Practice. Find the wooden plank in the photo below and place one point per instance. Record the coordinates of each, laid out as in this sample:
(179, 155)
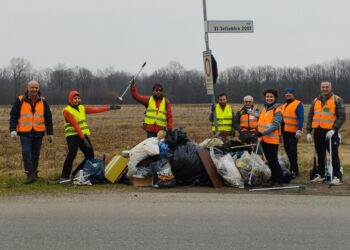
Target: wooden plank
(210, 168)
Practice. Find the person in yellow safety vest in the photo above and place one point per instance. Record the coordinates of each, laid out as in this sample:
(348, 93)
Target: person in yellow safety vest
(269, 133)
(77, 132)
(158, 115)
(30, 118)
(326, 116)
(291, 127)
(224, 116)
(247, 118)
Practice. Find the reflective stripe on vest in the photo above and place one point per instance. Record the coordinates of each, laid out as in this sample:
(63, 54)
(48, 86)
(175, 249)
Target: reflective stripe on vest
(154, 115)
(28, 120)
(248, 122)
(324, 116)
(223, 117)
(265, 121)
(79, 117)
(290, 118)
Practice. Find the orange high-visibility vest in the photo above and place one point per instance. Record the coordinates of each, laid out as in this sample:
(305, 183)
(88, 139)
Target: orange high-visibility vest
(324, 116)
(29, 120)
(265, 121)
(290, 118)
(248, 123)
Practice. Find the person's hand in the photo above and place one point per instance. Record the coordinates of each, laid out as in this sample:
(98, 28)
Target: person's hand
(259, 134)
(329, 134)
(132, 82)
(86, 142)
(50, 138)
(13, 135)
(308, 138)
(260, 139)
(114, 107)
(298, 134)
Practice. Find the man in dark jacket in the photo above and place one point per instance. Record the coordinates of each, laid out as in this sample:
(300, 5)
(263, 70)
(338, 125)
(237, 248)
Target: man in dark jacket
(30, 118)
(326, 116)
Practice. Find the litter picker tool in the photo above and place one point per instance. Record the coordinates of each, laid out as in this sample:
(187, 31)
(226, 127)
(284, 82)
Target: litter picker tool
(300, 187)
(120, 99)
(330, 164)
(253, 164)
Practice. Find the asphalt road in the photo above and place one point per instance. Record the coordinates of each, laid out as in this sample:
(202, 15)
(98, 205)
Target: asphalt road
(139, 220)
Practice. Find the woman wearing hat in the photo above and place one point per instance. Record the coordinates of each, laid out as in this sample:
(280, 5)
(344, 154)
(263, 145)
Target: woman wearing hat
(76, 132)
(269, 133)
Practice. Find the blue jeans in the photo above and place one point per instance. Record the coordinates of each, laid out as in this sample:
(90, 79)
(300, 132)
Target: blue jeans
(31, 152)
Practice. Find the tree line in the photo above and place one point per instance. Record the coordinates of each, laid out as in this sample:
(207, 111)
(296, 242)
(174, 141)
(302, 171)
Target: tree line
(180, 85)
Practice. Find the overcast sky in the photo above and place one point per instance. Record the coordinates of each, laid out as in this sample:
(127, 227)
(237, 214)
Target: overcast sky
(122, 34)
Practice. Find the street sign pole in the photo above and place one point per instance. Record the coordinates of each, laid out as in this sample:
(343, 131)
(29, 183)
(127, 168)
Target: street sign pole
(206, 38)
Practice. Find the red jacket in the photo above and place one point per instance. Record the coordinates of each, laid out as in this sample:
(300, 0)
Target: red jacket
(144, 101)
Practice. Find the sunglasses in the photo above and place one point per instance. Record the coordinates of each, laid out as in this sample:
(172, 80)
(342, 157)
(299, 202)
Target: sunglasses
(158, 90)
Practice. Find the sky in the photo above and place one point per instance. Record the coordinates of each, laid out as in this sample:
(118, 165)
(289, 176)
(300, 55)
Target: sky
(123, 34)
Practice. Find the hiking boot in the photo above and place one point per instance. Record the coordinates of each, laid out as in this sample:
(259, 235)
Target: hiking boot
(29, 179)
(318, 179)
(335, 181)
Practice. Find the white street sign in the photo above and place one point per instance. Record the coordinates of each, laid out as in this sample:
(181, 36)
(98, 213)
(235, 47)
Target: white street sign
(209, 80)
(244, 26)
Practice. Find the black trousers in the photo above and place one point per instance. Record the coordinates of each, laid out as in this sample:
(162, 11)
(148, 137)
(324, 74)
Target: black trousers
(74, 142)
(271, 154)
(291, 147)
(321, 145)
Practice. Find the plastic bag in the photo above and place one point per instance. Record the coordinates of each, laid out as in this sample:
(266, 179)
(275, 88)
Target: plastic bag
(141, 151)
(284, 163)
(162, 175)
(226, 168)
(94, 169)
(187, 167)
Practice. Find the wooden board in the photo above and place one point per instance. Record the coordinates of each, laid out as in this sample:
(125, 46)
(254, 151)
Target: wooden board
(210, 168)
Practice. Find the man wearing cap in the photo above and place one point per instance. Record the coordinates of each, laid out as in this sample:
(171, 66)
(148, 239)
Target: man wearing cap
(158, 115)
(326, 116)
(30, 119)
(291, 127)
(247, 118)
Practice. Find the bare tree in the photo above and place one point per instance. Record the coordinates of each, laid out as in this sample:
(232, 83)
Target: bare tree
(20, 67)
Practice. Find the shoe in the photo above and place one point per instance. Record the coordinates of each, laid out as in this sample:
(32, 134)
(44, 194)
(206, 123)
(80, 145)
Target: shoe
(65, 181)
(335, 181)
(318, 179)
(29, 179)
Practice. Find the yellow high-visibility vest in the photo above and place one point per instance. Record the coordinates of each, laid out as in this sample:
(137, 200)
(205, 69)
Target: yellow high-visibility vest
(154, 115)
(79, 116)
(224, 118)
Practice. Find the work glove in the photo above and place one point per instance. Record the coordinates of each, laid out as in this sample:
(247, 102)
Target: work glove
(329, 134)
(212, 108)
(308, 138)
(298, 134)
(86, 142)
(13, 135)
(50, 138)
(114, 107)
(259, 134)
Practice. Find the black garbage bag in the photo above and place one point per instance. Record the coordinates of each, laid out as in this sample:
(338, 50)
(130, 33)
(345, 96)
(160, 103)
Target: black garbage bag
(176, 137)
(286, 174)
(187, 167)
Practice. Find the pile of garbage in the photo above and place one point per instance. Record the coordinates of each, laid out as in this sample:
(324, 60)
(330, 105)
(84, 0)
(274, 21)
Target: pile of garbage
(172, 159)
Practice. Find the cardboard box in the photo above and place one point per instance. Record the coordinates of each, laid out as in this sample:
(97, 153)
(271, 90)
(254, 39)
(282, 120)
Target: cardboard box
(116, 168)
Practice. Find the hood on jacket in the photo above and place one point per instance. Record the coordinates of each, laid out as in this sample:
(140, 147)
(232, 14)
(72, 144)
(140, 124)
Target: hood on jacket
(71, 96)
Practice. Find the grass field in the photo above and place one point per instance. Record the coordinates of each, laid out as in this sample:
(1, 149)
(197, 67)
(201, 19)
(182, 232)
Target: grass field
(118, 130)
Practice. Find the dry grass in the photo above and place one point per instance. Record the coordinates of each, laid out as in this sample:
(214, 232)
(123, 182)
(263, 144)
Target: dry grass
(115, 131)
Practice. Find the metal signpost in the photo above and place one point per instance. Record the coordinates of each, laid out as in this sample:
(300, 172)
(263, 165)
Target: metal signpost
(243, 26)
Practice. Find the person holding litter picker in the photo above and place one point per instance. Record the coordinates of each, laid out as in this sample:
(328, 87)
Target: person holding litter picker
(269, 133)
(326, 116)
(158, 115)
(77, 132)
